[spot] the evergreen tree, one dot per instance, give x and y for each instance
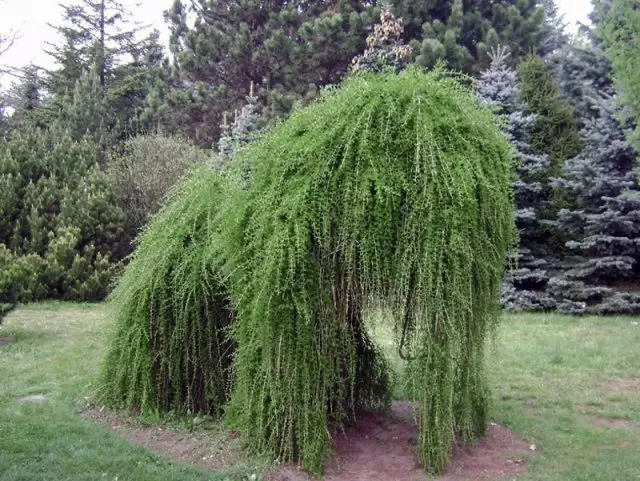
(554, 37)
(70, 66)
(605, 222)
(554, 132)
(581, 71)
(462, 33)
(98, 39)
(100, 32)
(287, 49)
(525, 289)
(132, 83)
(85, 111)
(386, 49)
(244, 129)
(620, 32)
(60, 227)
(27, 98)
(4, 120)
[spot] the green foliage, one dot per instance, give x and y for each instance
(386, 49)
(554, 132)
(391, 191)
(244, 129)
(287, 49)
(462, 33)
(171, 351)
(60, 226)
(105, 69)
(620, 32)
(145, 169)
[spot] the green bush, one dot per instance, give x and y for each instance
(171, 351)
(144, 171)
(392, 191)
(61, 227)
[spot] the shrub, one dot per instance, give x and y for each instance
(144, 171)
(392, 191)
(171, 351)
(61, 227)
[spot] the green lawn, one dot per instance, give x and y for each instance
(570, 386)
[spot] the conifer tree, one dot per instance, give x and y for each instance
(582, 70)
(386, 49)
(99, 39)
(85, 110)
(60, 228)
(604, 221)
(287, 49)
(525, 289)
(99, 32)
(27, 98)
(554, 132)
(462, 33)
(245, 128)
(620, 32)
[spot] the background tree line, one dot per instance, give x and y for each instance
(92, 146)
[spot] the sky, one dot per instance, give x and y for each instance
(30, 18)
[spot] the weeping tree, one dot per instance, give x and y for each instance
(391, 192)
(170, 350)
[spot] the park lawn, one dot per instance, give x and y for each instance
(571, 386)
(56, 351)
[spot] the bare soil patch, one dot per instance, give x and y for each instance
(381, 449)
(613, 423)
(5, 341)
(621, 385)
(208, 450)
(33, 399)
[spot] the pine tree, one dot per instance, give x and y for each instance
(287, 49)
(554, 132)
(60, 227)
(525, 289)
(462, 33)
(605, 222)
(386, 49)
(85, 111)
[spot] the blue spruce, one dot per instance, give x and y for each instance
(605, 218)
(525, 287)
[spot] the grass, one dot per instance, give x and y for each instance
(570, 386)
(56, 351)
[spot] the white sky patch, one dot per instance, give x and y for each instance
(30, 18)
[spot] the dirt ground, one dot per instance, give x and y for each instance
(379, 448)
(5, 341)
